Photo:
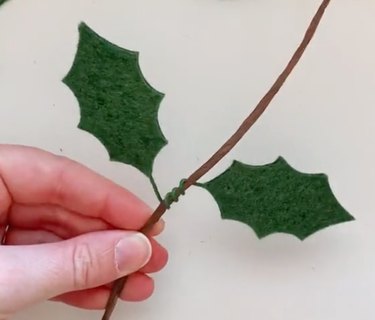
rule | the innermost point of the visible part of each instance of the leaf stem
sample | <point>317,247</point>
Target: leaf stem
<point>234,139</point>
<point>155,188</point>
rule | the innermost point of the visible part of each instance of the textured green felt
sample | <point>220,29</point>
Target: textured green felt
<point>117,104</point>
<point>2,1</point>
<point>276,198</point>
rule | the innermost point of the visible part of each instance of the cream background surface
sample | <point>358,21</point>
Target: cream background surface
<point>214,60</point>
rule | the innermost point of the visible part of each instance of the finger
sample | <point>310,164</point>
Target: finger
<point>62,222</point>
<point>139,287</point>
<point>17,236</point>
<point>28,237</point>
<point>157,229</point>
<point>34,273</point>
<point>158,260</point>
<point>5,203</point>
<point>33,176</point>
<point>2,234</point>
<point>89,299</point>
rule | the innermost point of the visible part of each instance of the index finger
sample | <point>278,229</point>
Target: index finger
<point>33,176</point>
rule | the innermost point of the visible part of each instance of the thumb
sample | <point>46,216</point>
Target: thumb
<point>31,274</point>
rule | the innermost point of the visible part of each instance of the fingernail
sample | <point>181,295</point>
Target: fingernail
<point>132,252</point>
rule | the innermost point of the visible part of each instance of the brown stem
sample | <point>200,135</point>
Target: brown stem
<point>233,140</point>
<point>113,297</point>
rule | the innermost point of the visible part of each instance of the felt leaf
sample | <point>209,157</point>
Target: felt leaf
<point>117,104</point>
<point>276,198</point>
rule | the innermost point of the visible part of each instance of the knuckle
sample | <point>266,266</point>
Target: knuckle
<point>59,193</point>
<point>84,263</point>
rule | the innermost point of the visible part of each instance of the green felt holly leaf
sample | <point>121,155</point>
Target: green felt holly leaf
<point>276,198</point>
<point>117,104</point>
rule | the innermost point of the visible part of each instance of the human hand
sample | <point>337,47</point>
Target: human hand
<point>71,234</point>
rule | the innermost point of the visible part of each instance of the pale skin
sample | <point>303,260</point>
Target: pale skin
<point>71,233</point>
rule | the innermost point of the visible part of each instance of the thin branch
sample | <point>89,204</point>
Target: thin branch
<point>113,296</point>
<point>234,139</point>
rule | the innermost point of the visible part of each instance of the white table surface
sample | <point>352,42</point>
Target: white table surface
<point>214,59</point>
